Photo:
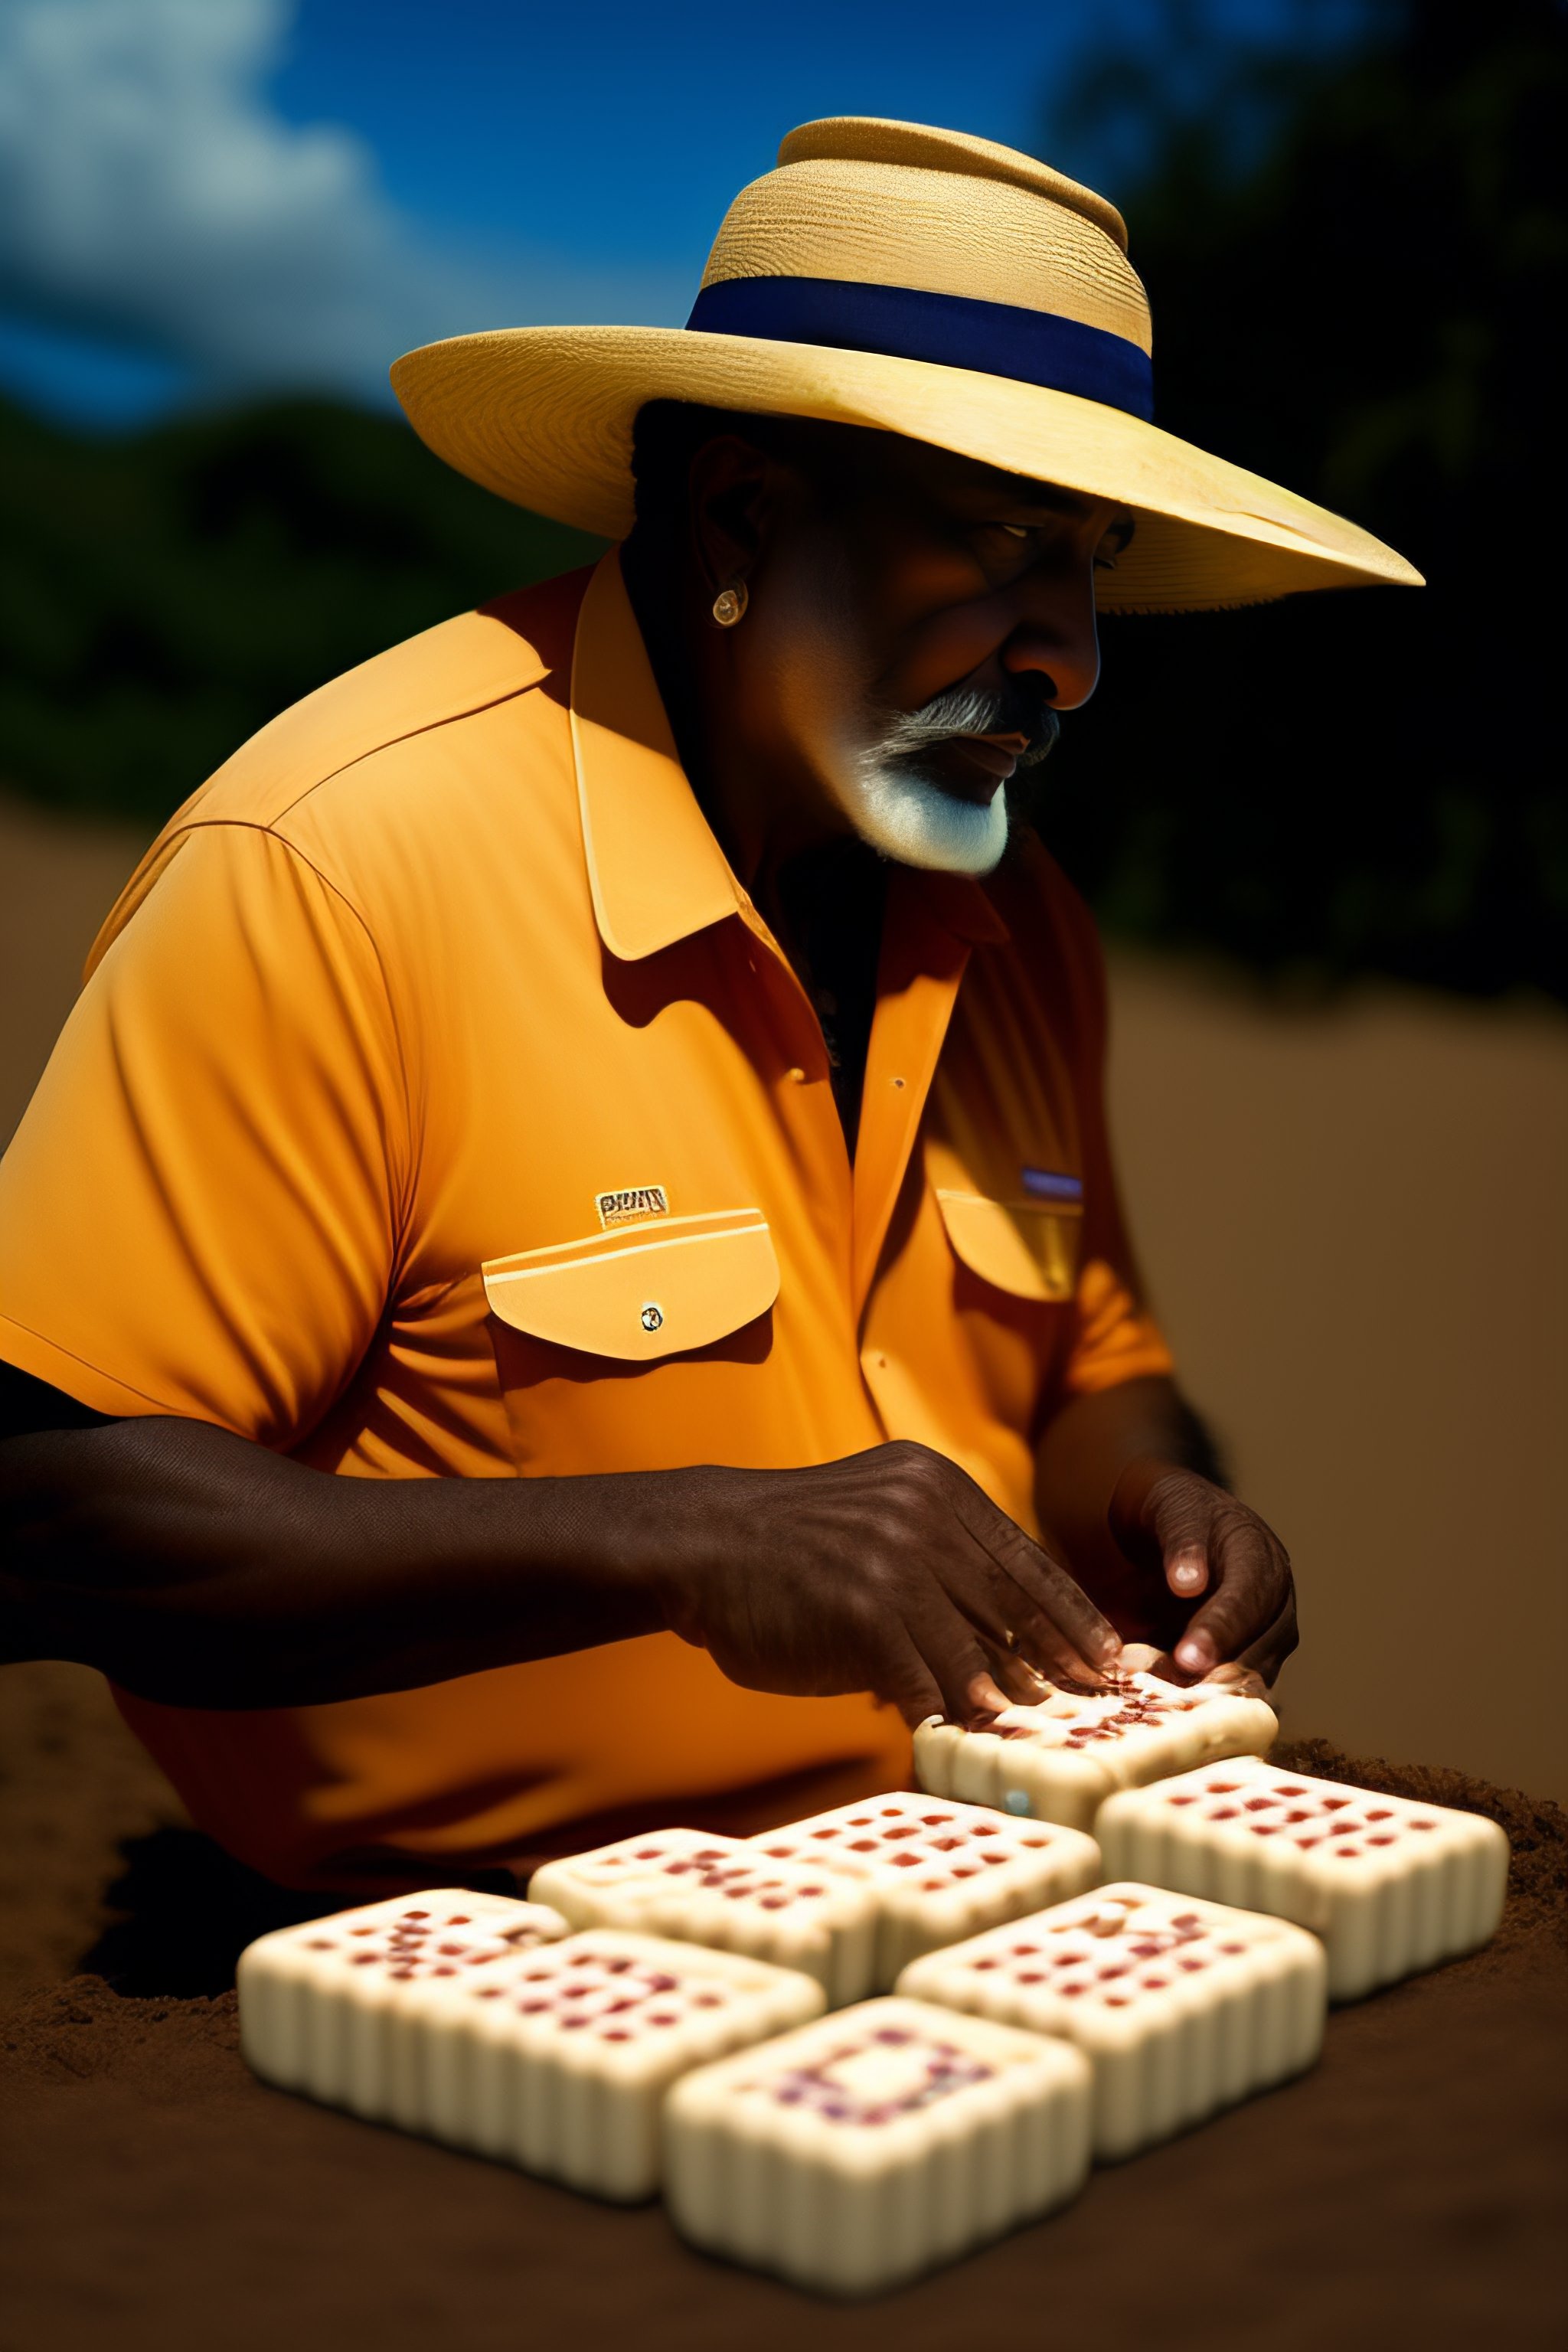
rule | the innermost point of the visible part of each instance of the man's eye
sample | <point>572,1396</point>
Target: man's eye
<point>1014,530</point>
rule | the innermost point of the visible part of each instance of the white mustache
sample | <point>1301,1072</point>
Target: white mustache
<point>967,712</point>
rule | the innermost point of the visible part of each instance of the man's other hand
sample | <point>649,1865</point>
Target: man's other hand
<point>1210,1545</point>
<point>888,1571</point>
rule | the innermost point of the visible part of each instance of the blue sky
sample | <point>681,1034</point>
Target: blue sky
<point>210,199</point>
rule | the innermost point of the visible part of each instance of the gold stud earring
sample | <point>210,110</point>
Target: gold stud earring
<point>729,605</point>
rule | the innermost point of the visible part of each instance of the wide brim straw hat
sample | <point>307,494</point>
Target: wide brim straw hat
<point>920,282</point>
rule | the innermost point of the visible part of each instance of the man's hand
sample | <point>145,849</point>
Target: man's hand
<point>888,1571</point>
<point>1209,1543</point>
<point>200,1569</point>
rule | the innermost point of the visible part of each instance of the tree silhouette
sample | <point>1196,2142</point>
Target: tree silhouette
<point>1357,263</point>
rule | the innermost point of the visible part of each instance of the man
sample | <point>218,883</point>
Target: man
<point>568,1248</point>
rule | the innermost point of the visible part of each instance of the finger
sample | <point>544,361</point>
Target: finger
<point>1238,1681</point>
<point>1186,1570</point>
<point>1033,1652</point>
<point>1252,1588</point>
<point>1142,1658</point>
<point>1017,1675</point>
<point>954,1659</point>
<point>983,1698</point>
<point>906,1681</point>
<point>1027,1649</point>
<point>1268,1652</point>
<point>1053,1605</point>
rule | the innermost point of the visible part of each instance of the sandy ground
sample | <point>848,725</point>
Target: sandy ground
<point>1407,2190</point>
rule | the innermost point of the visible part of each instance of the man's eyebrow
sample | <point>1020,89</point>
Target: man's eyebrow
<point>1042,498</point>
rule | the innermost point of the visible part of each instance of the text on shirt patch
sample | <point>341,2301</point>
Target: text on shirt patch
<point>629,1208</point>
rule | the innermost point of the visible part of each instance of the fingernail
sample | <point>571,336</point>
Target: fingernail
<point>1187,1575</point>
<point>1195,1651</point>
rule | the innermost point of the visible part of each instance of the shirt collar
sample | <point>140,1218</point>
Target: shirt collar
<point>654,867</point>
<point>656,871</point>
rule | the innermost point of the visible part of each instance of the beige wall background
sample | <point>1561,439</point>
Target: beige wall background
<point>1353,1220</point>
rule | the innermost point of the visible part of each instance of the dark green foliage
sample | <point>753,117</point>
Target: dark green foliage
<point>163,595</point>
<point>1368,309</point>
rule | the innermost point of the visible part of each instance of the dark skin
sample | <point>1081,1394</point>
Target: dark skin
<point>196,1568</point>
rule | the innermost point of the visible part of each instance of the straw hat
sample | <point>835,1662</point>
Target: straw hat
<point>925,283</point>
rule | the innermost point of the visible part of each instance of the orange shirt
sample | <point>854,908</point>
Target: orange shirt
<point>437,1104</point>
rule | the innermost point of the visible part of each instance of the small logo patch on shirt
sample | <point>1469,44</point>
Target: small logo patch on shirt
<point>630,1207</point>
<point>1052,1184</point>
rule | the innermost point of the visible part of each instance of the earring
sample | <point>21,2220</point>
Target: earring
<point>729,605</point>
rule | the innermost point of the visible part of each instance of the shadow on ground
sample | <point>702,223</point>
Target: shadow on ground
<point>183,1911</point>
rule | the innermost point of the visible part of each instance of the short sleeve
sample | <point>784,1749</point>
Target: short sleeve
<point>200,1210</point>
<point>1114,1337</point>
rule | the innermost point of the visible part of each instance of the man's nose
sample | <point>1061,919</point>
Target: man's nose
<point>1064,654</point>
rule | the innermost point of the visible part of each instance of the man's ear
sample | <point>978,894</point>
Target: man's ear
<point>731,504</point>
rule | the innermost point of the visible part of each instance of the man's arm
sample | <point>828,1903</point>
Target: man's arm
<point>199,1569</point>
<point>1131,1491</point>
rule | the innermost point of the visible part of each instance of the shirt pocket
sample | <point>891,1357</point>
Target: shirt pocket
<point>650,1291</point>
<point>1025,1247</point>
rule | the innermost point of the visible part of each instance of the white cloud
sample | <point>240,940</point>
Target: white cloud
<point>151,195</point>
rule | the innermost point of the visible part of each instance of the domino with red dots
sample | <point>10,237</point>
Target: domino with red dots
<point>938,1871</point>
<point>1182,2007</point>
<point>863,2149</point>
<point>725,1892</point>
<point>585,1886</point>
<point>1390,1885</point>
<point>561,2064</point>
<point>1059,1761</point>
<point>323,2007</point>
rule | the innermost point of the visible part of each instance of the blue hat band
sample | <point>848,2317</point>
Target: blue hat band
<point>899,323</point>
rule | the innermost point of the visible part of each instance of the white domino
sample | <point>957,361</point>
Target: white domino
<point>725,1892</point>
<point>561,2065</point>
<point>1060,1761</point>
<point>323,2008</point>
<point>875,2144</point>
<point>938,1871</point>
<point>1182,2007</point>
<point>587,1888</point>
<point>1391,1886</point>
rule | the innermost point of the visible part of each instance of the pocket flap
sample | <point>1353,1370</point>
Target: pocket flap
<point>656,1290</point>
<point>1021,1246</point>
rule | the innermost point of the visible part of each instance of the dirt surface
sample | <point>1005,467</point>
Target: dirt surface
<point>1408,2191</point>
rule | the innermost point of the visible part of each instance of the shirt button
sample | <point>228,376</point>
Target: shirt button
<point>796,1076</point>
